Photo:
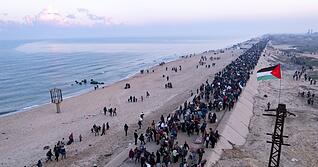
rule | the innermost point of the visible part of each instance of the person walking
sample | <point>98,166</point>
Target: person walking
<point>131,154</point>
<point>63,152</point>
<point>103,129</point>
<point>136,137</point>
<point>49,155</point>
<point>268,105</point>
<point>107,126</point>
<point>105,110</point>
<point>142,139</point>
<point>80,138</point>
<point>39,164</point>
<point>56,153</point>
<point>126,129</point>
<point>139,124</point>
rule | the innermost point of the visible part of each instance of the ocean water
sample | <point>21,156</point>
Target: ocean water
<point>30,68</point>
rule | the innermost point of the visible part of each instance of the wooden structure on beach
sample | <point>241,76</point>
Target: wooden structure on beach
<point>56,98</point>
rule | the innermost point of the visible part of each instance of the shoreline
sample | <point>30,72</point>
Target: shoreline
<point>88,90</point>
<point>81,92</point>
<point>21,136</point>
<point>42,98</point>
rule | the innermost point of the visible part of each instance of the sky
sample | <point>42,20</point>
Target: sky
<point>41,19</point>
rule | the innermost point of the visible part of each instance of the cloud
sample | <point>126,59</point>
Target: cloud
<point>92,16</point>
<point>82,10</point>
<point>71,16</point>
<point>51,16</point>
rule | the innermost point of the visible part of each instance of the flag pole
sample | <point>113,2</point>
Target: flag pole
<point>280,88</point>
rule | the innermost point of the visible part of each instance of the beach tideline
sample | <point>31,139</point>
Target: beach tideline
<point>23,135</point>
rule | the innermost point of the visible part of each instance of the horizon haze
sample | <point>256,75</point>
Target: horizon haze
<point>121,18</point>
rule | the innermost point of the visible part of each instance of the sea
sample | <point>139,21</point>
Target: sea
<point>30,68</point>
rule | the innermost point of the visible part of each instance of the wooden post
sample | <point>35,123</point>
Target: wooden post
<point>58,108</point>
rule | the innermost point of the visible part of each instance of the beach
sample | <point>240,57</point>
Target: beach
<point>31,68</point>
<point>119,83</point>
<point>25,134</point>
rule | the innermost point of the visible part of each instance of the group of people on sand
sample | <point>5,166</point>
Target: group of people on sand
<point>191,117</point>
<point>127,86</point>
<point>168,85</point>
<point>175,69</point>
<point>100,129</point>
<point>134,99</point>
<point>203,61</point>
<point>59,150</point>
<point>142,71</point>
<point>187,56</point>
<point>112,111</point>
<point>309,95</point>
<point>298,74</point>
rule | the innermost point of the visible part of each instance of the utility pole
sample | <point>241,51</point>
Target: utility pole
<point>278,135</point>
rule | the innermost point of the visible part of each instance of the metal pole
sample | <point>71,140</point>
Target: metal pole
<point>280,88</point>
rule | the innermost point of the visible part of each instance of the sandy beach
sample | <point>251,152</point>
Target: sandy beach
<point>24,135</point>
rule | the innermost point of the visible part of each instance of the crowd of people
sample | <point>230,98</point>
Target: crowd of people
<point>164,134</point>
<point>191,117</point>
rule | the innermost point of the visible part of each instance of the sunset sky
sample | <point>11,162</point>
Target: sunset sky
<point>111,18</point>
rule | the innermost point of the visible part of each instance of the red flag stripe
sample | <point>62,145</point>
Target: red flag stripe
<point>277,72</point>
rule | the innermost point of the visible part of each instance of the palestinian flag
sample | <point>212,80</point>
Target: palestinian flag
<point>273,72</point>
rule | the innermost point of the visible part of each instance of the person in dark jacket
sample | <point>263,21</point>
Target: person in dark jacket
<point>126,129</point>
<point>49,155</point>
<point>136,137</point>
<point>56,153</point>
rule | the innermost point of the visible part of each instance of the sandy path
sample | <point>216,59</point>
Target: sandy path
<point>23,135</point>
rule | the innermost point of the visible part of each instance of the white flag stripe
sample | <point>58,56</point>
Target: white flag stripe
<point>260,74</point>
